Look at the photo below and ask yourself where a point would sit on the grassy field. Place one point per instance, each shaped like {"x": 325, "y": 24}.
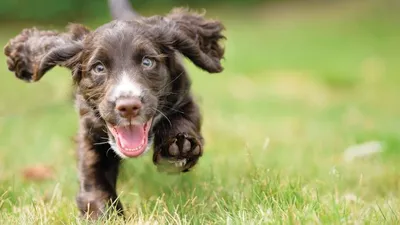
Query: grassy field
{"x": 301, "y": 85}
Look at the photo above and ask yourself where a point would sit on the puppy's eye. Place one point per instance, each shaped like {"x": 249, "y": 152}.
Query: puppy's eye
{"x": 147, "y": 63}
{"x": 98, "y": 68}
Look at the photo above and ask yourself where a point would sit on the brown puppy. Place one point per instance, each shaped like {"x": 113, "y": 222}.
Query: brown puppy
{"x": 131, "y": 90}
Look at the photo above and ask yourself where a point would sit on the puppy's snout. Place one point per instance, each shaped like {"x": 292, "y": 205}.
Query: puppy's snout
{"x": 128, "y": 107}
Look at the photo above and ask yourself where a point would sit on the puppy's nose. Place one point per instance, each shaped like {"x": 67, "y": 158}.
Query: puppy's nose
{"x": 128, "y": 107}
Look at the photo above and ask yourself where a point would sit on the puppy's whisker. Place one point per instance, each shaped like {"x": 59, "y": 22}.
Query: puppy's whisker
{"x": 169, "y": 121}
{"x": 103, "y": 138}
{"x": 173, "y": 109}
{"x": 101, "y": 143}
{"x": 163, "y": 88}
{"x": 105, "y": 131}
{"x": 110, "y": 148}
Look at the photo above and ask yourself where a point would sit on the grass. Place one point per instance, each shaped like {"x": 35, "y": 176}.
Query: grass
{"x": 301, "y": 85}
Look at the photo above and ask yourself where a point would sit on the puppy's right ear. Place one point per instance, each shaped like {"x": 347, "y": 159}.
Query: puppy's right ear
{"x": 33, "y": 52}
{"x": 197, "y": 38}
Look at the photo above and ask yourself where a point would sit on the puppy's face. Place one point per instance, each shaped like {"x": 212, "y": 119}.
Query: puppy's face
{"x": 124, "y": 76}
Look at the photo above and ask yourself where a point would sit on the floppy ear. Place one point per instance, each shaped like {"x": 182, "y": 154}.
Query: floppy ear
{"x": 197, "y": 38}
{"x": 33, "y": 52}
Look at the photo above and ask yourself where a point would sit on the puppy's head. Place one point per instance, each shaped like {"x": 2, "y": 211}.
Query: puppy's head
{"x": 126, "y": 69}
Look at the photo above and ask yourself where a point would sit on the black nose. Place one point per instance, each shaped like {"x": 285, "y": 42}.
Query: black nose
{"x": 128, "y": 107}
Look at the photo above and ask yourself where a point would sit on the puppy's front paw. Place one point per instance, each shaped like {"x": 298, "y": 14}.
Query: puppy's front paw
{"x": 178, "y": 154}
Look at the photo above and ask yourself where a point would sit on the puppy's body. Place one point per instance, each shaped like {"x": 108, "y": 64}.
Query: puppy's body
{"x": 132, "y": 92}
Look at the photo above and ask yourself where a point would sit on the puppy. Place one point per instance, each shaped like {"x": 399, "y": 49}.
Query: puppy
{"x": 131, "y": 88}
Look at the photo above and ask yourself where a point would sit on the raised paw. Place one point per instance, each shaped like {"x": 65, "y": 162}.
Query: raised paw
{"x": 178, "y": 154}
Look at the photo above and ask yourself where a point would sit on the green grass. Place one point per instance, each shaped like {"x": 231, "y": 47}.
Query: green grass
{"x": 309, "y": 82}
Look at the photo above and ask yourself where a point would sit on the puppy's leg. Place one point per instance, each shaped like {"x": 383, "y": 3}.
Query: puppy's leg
{"x": 178, "y": 143}
{"x": 98, "y": 170}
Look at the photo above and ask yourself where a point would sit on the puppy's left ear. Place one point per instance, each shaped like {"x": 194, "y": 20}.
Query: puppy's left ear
{"x": 34, "y": 52}
{"x": 197, "y": 38}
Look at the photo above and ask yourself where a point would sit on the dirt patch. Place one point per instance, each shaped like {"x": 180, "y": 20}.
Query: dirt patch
{"x": 38, "y": 173}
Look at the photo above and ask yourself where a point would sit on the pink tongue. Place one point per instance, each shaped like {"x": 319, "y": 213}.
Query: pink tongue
{"x": 130, "y": 136}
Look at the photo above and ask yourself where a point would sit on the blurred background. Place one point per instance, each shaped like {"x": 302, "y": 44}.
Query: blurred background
{"x": 305, "y": 83}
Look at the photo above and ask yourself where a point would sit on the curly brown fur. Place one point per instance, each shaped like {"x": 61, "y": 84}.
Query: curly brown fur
{"x": 33, "y": 52}
{"x": 130, "y": 86}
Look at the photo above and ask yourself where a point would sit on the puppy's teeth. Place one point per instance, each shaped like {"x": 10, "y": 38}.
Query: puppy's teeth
{"x": 135, "y": 149}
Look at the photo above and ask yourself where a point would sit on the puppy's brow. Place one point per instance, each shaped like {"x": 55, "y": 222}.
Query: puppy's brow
{"x": 156, "y": 56}
{"x": 145, "y": 49}
{"x": 98, "y": 55}
{"x": 159, "y": 55}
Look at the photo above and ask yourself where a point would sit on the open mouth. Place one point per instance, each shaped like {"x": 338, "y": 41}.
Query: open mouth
{"x": 131, "y": 140}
